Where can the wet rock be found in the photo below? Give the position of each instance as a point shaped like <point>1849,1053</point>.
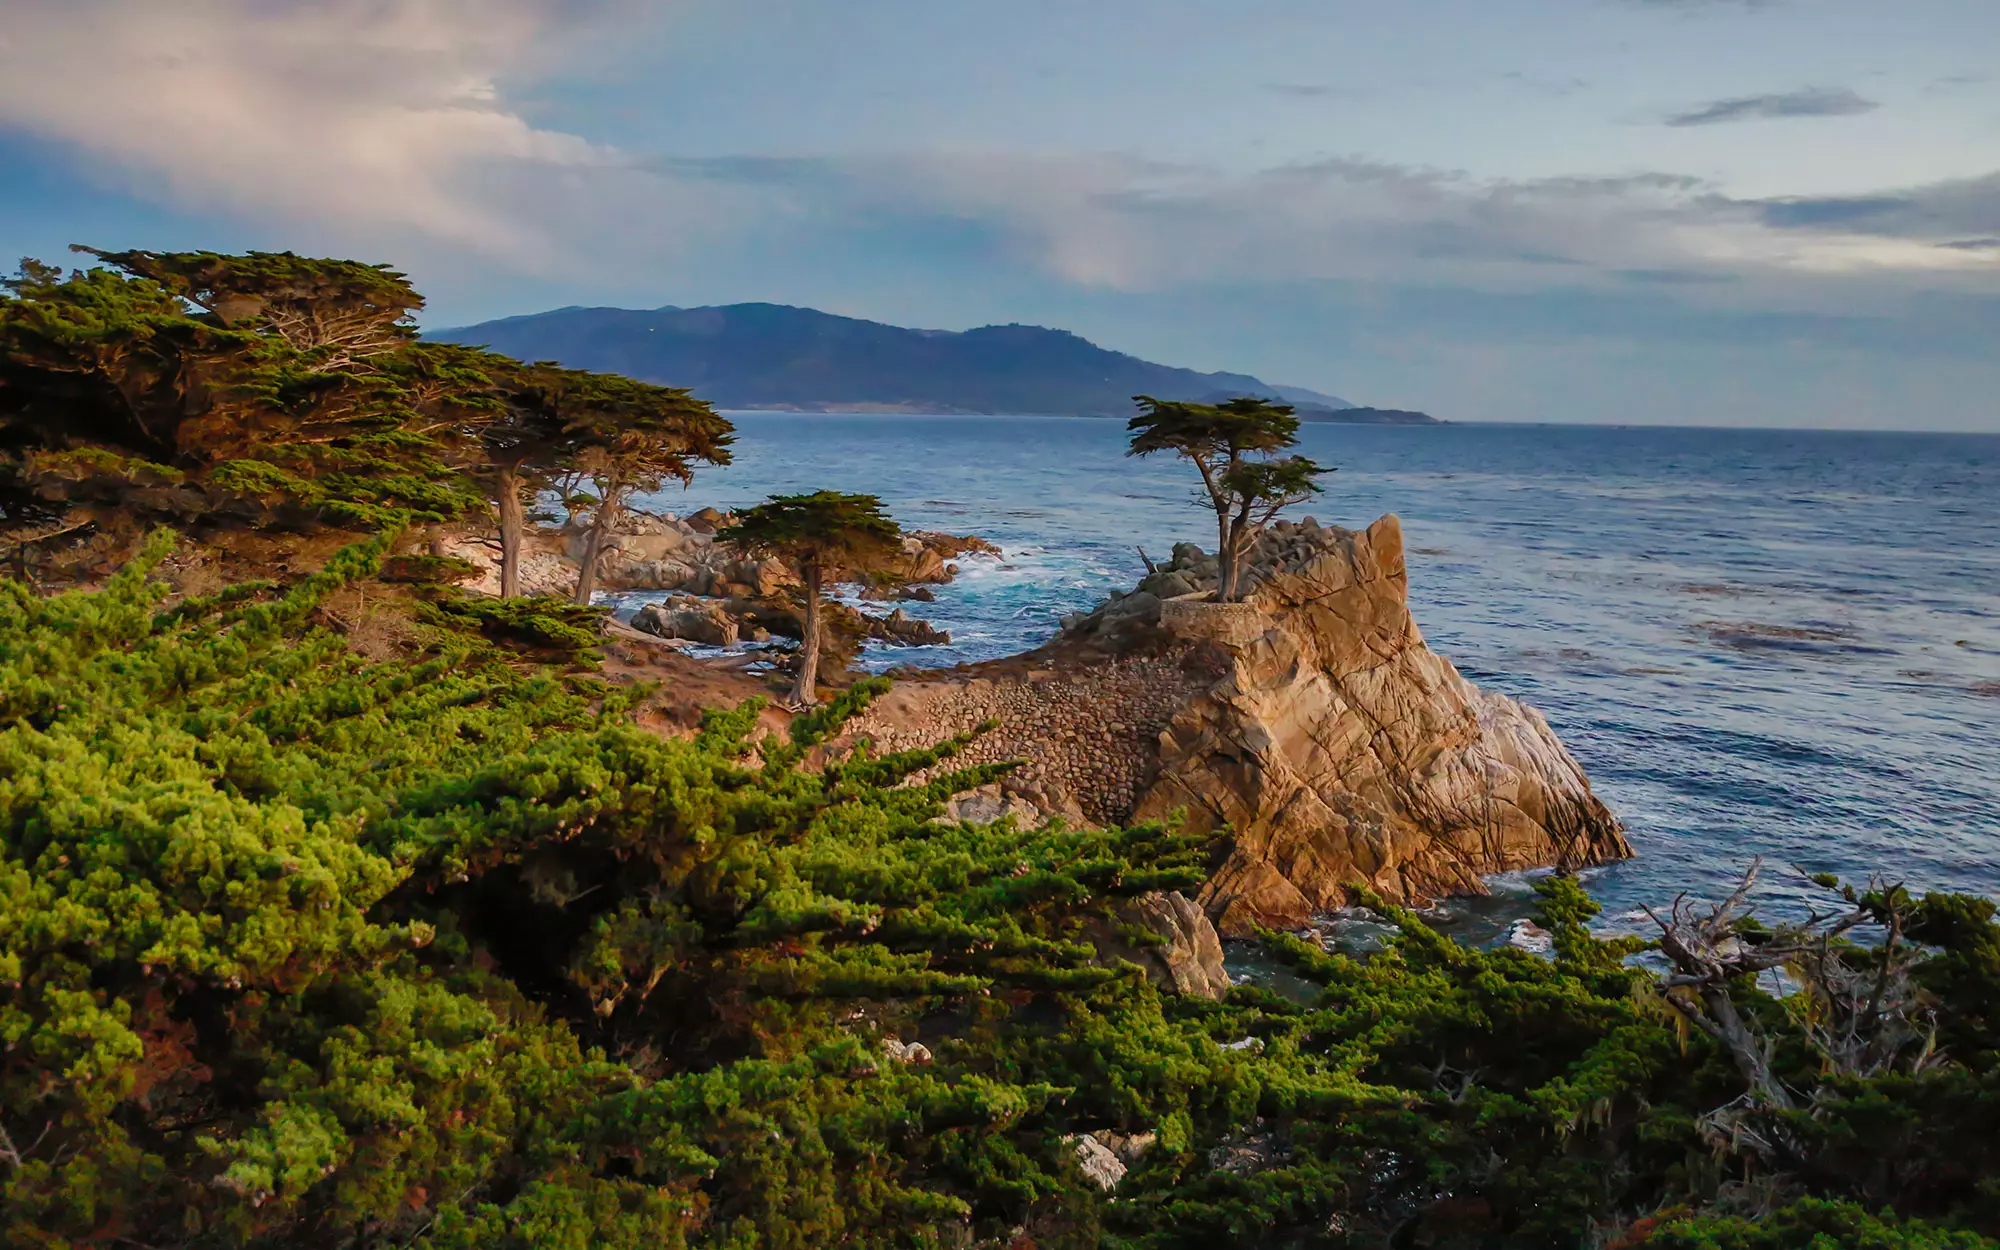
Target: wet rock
<point>904,630</point>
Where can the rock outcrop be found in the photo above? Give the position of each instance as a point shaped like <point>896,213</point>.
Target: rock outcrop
<point>1188,957</point>
<point>1311,720</point>
<point>1341,750</point>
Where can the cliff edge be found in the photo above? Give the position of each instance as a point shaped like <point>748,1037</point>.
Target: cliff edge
<point>1342,749</point>
<point>1312,719</point>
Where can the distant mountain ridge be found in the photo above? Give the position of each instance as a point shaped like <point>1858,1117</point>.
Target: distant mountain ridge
<point>774,356</point>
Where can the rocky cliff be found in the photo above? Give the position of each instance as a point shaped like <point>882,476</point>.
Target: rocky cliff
<point>1311,719</point>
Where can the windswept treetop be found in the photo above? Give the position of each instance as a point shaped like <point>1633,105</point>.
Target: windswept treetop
<point>1207,433</point>
<point>656,433</point>
<point>348,304</point>
<point>828,528</point>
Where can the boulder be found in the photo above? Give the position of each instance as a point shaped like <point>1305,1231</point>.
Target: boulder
<point>990,803</point>
<point>1169,584</point>
<point>708,520</point>
<point>906,1052</point>
<point>1099,1164</point>
<point>1189,961</point>
<point>647,547</point>
<point>706,623</point>
<point>647,575</point>
<point>904,630</point>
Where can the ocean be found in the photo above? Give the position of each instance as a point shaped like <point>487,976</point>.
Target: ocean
<point>1758,643</point>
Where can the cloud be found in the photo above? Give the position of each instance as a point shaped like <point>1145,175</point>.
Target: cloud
<point>375,114</point>
<point>392,128</point>
<point>1118,223</point>
<point>1692,5</point>
<point>1942,212</point>
<point>1811,102</point>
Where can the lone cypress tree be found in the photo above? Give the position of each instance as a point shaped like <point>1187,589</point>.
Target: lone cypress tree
<point>824,534</point>
<point>1233,446</point>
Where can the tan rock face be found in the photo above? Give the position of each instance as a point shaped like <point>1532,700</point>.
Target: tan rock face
<point>1312,720</point>
<point>1341,751</point>
<point>1189,958</point>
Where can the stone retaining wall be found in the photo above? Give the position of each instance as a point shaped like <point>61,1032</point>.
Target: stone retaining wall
<point>1231,624</point>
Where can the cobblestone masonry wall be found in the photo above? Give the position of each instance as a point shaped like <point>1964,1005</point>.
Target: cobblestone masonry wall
<point>1091,736</point>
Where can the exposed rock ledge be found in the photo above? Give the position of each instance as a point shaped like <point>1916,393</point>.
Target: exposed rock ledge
<point>1312,719</point>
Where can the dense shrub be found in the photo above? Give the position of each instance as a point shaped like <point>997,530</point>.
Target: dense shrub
<point>299,949</point>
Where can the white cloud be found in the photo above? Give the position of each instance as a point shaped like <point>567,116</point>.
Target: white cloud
<point>1118,223</point>
<point>374,114</point>
<point>393,127</point>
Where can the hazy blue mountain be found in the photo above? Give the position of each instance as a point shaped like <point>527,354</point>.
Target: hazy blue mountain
<point>779,357</point>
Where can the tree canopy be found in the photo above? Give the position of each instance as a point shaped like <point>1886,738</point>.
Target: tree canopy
<point>276,392</point>
<point>302,949</point>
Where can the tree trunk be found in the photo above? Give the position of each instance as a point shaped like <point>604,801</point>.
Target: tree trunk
<point>1225,557</point>
<point>593,544</point>
<point>805,690</point>
<point>512,522</point>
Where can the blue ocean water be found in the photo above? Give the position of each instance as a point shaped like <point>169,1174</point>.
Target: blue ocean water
<point>1770,643</point>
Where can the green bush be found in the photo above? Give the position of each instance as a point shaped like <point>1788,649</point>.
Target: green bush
<point>300,949</point>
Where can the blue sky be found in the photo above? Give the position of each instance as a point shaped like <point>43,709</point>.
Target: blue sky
<point>1749,212</point>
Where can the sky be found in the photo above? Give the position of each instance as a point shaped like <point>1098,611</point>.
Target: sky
<point>1731,212</point>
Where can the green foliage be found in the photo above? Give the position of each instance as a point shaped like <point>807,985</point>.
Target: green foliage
<point>1811,1224</point>
<point>543,625</point>
<point>199,388</point>
<point>302,949</point>
<point>835,532</point>
<point>428,569</point>
<point>273,391</point>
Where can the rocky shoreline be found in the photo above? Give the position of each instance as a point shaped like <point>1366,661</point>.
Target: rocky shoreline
<point>1311,721</point>
<point>713,595</point>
